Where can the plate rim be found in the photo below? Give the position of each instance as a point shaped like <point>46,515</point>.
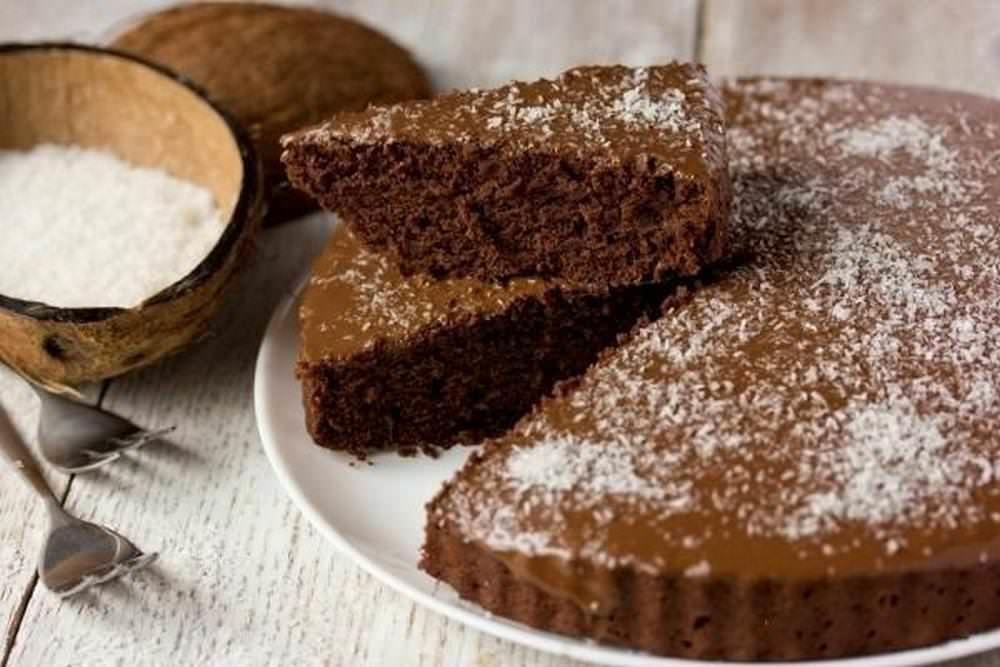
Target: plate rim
<point>496,626</point>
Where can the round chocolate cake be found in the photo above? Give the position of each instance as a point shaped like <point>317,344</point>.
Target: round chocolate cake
<point>800,458</point>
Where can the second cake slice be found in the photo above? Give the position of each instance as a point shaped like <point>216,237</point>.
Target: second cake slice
<point>389,362</point>
<point>603,176</point>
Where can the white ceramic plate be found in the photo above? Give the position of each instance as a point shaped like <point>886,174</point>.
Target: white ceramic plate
<point>375,515</point>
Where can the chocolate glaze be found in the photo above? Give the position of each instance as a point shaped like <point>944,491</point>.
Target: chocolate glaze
<point>825,413</point>
<point>588,112</point>
<point>356,298</point>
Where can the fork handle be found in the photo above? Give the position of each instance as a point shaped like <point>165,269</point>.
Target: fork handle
<point>19,456</point>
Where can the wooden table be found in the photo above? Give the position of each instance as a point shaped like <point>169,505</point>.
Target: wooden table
<point>244,579</point>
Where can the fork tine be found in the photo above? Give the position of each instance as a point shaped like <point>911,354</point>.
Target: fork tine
<point>115,571</point>
<point>67,426</point>
<point>98,459</point>
<point>138,562</point>
<point>158,433</point>
<point>97,454</point>
<point>139,438</point>
<point>85,582</point>
<point>133,564</point>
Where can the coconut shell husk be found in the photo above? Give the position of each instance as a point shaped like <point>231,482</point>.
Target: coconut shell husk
<point>278,69</point>
<point>76,95</point>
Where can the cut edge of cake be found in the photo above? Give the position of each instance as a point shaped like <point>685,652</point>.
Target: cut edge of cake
<point>604,176</point>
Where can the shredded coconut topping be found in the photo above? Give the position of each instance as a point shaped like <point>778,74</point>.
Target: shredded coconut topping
<point>629,101</point>
<point>836,390</point>
<point>892,464</point>
<point>670,112</point>
<point>562,466</point>
<point>921,144</point>
<point>357,297</point>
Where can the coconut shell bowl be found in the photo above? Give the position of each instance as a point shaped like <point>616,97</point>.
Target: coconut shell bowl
<point>146,115</point>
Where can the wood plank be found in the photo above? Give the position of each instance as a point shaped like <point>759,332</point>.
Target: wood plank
<point>931,42</point>
<point>462,44</point>
<point>22,518</point>
<point>244,579</point>
<point>486,43</point>
<point>206,500</point>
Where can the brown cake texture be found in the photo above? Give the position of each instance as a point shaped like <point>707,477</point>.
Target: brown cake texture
<point>801,460</point>
<point>277,69</point>
<point>394,363</point>
<point>603,176</point>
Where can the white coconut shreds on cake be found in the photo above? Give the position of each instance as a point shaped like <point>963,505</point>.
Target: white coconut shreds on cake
<point>838,390</point>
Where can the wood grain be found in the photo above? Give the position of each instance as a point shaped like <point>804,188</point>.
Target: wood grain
<point>461,43</point>
<point>22,517</point>
<point>62,20</point>
<point>486,43</point>
<point>931,42</point>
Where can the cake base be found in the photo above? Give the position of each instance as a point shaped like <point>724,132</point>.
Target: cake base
<point>683,617</point>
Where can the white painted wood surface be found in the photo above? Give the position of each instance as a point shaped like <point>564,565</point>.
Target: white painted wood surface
<point>244,580</point>
<point>950,43</point>
<point>22,518</point>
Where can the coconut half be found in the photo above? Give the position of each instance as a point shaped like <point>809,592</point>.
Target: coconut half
<point>145,114</point>
<point>278,69</point>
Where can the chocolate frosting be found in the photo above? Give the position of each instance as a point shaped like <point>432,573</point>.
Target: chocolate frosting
<point>669,115</point>
<point>356,297</point>
<point>825,408</point>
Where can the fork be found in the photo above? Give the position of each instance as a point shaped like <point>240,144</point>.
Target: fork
<point>77,554</point>
<point>75,437</point>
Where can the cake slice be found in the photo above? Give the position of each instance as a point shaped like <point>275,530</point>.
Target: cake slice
<point>389,362</point>
<point>603,176</point>
<point>802,461</point>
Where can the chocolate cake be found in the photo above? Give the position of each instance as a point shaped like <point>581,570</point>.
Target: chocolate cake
<point>403,363</point>
<point>605,175</point>
<point>801,461</point>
